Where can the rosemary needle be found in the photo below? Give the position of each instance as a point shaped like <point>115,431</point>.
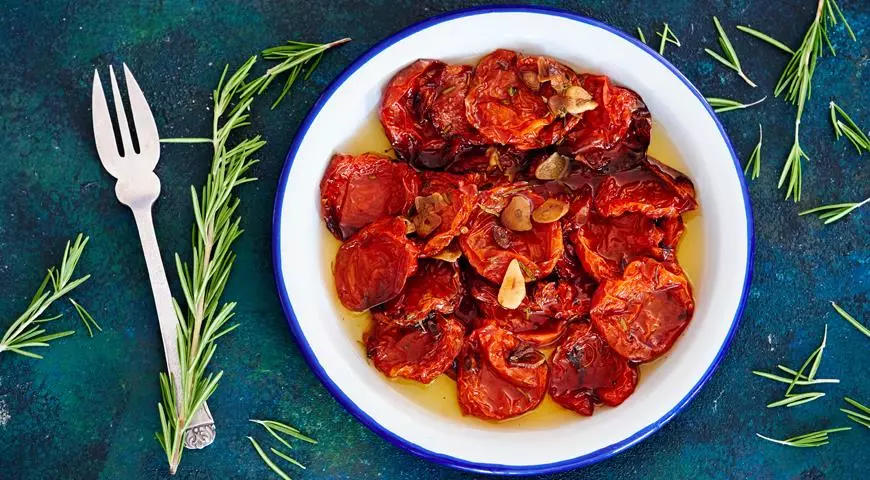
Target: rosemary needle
<point>767,38</point>
<point>268,461</point>
<point>832,213</point>
<point>86,317</point>
<point>272,425</point>
<point>721,105</point>
<point>730,59</point>
<point>855,323</point>
<point>845,126</point>
<point>287,457</point>
<point>802,381</point>
<point>754,162</point>
<point>640,35</point>
<point>797,399</point>
<point>812,439</point>
<point>667,36</point>
<point>862,418</point>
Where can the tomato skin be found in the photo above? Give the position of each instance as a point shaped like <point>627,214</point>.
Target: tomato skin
<point>435,288</point>
<point>617,132</point>
<point>373,265</point>
<point>506,111</point>
<point>584,370</point>
<point>461,194</point>
<point>419,352</point>
<point>565,300</point>
<point>651,189</point>
<point>495,379</point>
<point>642,313</point>
<point>537,250</point>
<point>357,190</point>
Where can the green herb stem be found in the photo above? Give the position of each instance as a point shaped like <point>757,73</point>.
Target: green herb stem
<point>268,461</point>
<point>849,318</point>
<point>721,105</point>
<point>812,439</point>
<point>640,35</point>
<point>767,38</point>
<point>667,36</point>
<point>754,163</point>
<point>730,58</point>
<point>832,213</point>
<point>844,126</point>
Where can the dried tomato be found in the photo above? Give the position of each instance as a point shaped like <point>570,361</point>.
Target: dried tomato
<point>584,370</point>
<point>459,196</point>
<point>447,108</point>
<point>619,129</point>
<point>672,228</point>
<point>528,321</point>
<point>420,352</point>
<point>642,313</point>
<point>357,190</point>
<point>499,376</point>
<point>651,188</point>
<point>374,264</point>
<point>436,287</point>
<point>569,266</point>
<point>565,300</point>
<point>537,250</point>
<point>606,244</point>
<point>506,111</point>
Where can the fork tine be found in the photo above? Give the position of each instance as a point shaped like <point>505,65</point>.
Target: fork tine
<point>146,127</point>
<point>104,135</point>
<point>126,138</point>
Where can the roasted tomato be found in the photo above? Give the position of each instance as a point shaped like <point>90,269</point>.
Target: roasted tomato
<point>447,214</point>
<point>651,188</point>
<point>374,264</point>
<point>565,300</point>
<point>605,245</point>
<point>528,321</point>
<point>403,114</point>
<point>506,111</point>
<point>643,312</point>
<point>357,190</point>
<point>447,108</point>
<point>569,267</point>
<point>490,247</point>
<point>619,127</point>
<point>672,228</point>
<point>584,370</point>
<point>499,375</point>
<point>420,352</point>
<point>436,287</point>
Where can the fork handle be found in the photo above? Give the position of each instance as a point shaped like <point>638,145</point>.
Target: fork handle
<point>201,432</point>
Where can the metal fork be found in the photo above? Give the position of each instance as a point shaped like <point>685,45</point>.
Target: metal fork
<point>138,188</point>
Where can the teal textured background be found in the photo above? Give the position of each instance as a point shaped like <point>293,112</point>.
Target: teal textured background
<point>89,409</point>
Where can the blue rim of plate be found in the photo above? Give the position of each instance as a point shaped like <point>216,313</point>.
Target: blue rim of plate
<point>369,422</point>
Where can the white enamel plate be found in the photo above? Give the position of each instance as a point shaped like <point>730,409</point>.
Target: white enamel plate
<point>726,221</point>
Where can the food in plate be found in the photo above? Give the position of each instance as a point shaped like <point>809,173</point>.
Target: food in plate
<point>522,241</point>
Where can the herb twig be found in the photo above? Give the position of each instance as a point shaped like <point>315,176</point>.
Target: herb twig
<point>796,399</point>
<point>845,126</point>
<point>862,418</point>
<point>754,162</point>
<point>26,331</point>
<point>855,323</point>
<point>216,228</point>
<point>795,85</point>
<point>802,381</point>
<point>767,38</point>
<point>721,105</point>
<point>640,35</point>
<point>667,36</point>
<point>86,317</point>
<point>813,439</point>
<point>832,213</point>
<point>730,59</point>
<point>273,426</point>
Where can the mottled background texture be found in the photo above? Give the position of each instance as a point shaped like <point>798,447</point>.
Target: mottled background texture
<point>89,409</point>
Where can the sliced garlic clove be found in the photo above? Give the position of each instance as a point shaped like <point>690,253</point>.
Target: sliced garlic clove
<point>555,167</point>
<point>513,287</point>
<point>550,211</point>
<point>517,214</point>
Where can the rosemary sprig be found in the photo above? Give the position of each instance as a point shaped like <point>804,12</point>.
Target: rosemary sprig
<point>640,35</point>
<point>730,59</point>
<point>796,399</point>
<point>799,378</point>
<point>667,36</point>
<point>855,323</point>
<point>862,418</point>
<point>795,85</point>
<point>273,427</point>
<point>86,317</point>
<point>721,105</point>
<point>844,126</point>
<point>813,439</point>
<point>268,461</point>
<point>26,332</point>
<point>832,213</point>
<point>754,162</point>
<point>216,228</point>
<point>801,381</point>
<point>767,38</point>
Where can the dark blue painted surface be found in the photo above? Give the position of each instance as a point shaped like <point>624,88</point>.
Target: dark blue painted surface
<point>89,409</point>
